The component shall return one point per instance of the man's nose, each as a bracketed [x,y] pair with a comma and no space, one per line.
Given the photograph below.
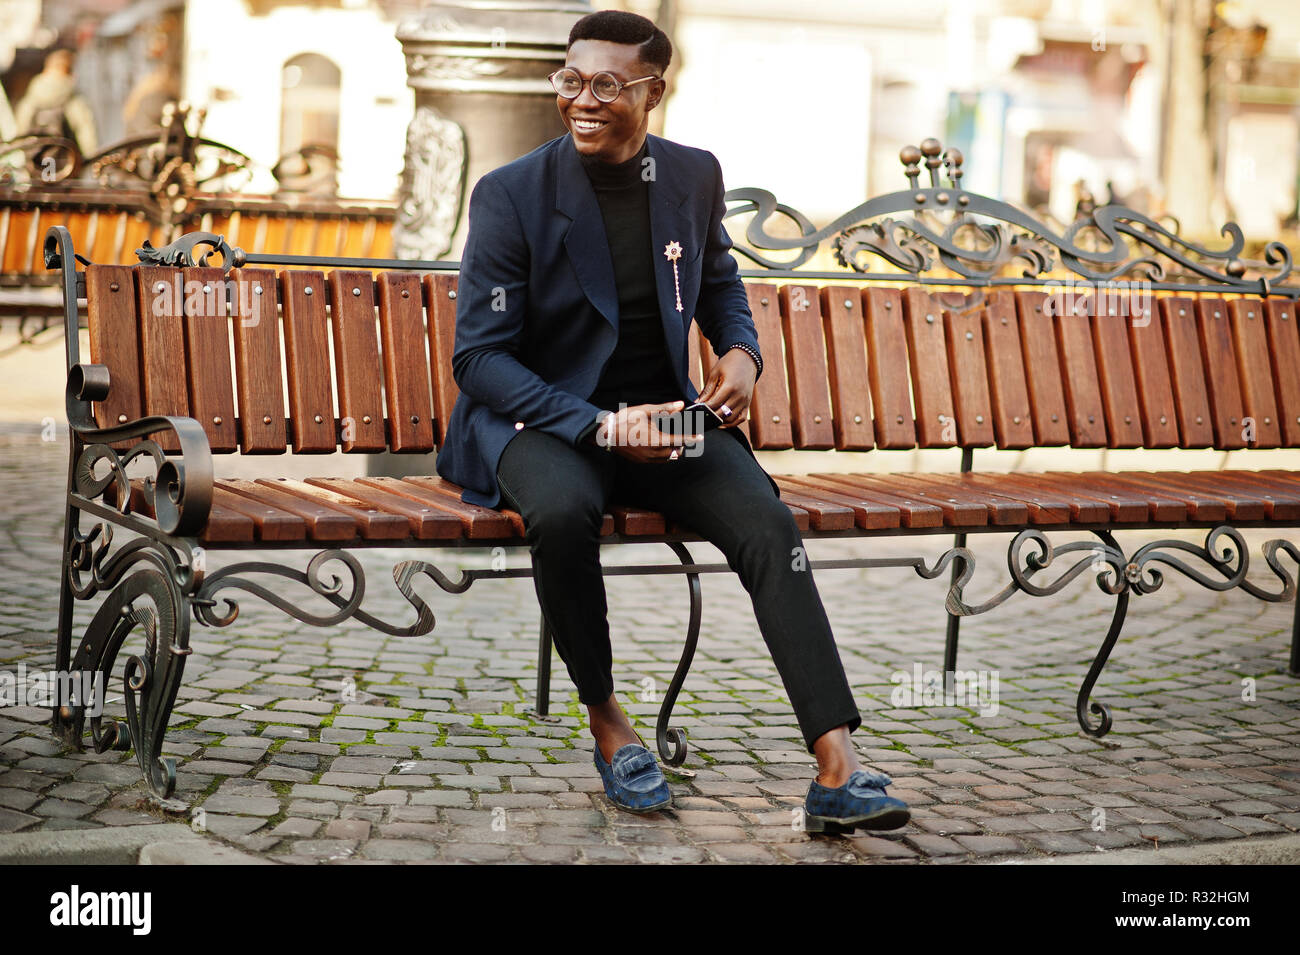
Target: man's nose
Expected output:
[587,99]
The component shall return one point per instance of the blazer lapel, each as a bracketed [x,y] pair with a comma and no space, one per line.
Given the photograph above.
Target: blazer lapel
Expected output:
[668,225]
[585,241]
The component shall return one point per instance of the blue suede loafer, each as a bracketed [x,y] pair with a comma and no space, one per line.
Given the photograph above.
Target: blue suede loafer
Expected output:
[861,803]
[633,779]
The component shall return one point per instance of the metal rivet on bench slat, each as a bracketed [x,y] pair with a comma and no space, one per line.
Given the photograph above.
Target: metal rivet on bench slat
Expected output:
[1092,419]
[406,293]
[160,287]
[1182,311]
[1038,308]
[929,319]
[266,419]
[1268,421]
[1056,417]
[900,419]
[451,293]
[1232,421]
[257,290]
[1128,419]
[121,417]
[206,289]
[1016,420]
[979,419]
[112,286]
[857,419]
[848,303]
[970,336]
[776,419]
[1285,316]
[1199,419]
[1250,314]
[319,419]
[888,304]
[307,290]
[365,419]
[763,300]
[1216,314]
[817,419]
[1164,420]
[415,419]
[356,291]
[216,419]
[1004,321]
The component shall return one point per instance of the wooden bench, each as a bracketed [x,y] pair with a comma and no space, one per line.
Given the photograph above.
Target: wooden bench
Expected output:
[189,360]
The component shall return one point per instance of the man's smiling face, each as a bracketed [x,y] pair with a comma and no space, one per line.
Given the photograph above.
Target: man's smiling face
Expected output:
[611,132]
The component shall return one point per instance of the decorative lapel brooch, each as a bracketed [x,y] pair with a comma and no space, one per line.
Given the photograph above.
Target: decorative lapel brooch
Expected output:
[673,252]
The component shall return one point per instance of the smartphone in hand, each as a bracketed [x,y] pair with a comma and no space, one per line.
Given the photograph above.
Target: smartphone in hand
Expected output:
[694,419]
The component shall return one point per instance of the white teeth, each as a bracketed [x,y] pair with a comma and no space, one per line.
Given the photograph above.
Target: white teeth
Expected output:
[587,124]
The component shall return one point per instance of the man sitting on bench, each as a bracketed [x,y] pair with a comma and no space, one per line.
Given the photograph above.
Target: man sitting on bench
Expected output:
[586,261]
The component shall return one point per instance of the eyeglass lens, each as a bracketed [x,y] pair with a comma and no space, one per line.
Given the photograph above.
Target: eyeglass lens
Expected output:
[603,86]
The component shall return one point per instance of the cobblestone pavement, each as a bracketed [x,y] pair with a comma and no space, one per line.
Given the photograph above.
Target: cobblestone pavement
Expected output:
[438,758]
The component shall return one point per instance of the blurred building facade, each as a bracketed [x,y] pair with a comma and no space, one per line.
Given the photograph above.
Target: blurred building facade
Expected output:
[1189,107]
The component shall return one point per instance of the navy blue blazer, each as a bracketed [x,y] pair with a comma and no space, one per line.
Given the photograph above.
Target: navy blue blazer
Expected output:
[537,307]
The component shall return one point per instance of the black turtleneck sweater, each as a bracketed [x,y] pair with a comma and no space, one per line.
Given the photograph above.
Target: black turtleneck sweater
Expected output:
[639,370]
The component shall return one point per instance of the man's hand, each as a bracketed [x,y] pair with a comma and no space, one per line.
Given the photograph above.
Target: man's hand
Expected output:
[731,383]
[632,433]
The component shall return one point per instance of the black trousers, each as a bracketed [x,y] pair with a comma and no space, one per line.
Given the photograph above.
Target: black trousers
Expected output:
[561,491]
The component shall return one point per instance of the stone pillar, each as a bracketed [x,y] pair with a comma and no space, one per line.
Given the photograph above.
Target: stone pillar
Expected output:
[478,68]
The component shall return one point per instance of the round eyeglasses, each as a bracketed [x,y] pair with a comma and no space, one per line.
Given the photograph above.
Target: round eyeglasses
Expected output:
[605,87]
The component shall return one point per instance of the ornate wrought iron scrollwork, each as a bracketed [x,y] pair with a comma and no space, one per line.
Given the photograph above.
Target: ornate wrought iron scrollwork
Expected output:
[1224,551]
[149,599]
[347,600]
[181,252]
[977,237]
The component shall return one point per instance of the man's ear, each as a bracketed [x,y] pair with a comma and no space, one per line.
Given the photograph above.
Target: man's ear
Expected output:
[656,95]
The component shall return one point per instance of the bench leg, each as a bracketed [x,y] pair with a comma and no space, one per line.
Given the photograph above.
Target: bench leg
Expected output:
[150,600]
[1294,669]
[63,636]
[1083,705]
[954,627]
[671,741]
[544,669]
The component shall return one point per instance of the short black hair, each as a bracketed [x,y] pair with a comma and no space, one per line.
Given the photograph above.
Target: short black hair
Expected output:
[617,26]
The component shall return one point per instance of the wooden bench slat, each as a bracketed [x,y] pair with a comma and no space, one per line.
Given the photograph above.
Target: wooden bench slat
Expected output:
[160,302]
[1042,370]
[1002,509]
[1008,391]
[1052,501]
[1042,508]
[805,357]
[1151,370]
[426,523]
[1221,381]
[972,403]
[306,348]
[271,523]
[407,387]
[1281,502]
[225,526]
[956,513]
[1255,368]
[257,363]
[207,356]
[824,515]
[356,361]
[1127,506]
[1085,414]
[1196,507]
[476,522]
[372,522]
[1119,391]
[867,514]
[1241,504]
[637,522]
[1201,506]
[115,340]
[1178,318]
[912,511]
[887,367]
[850,385]
[323,523]
[1284,356]
[769,409]
[440,294]
[936,423]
